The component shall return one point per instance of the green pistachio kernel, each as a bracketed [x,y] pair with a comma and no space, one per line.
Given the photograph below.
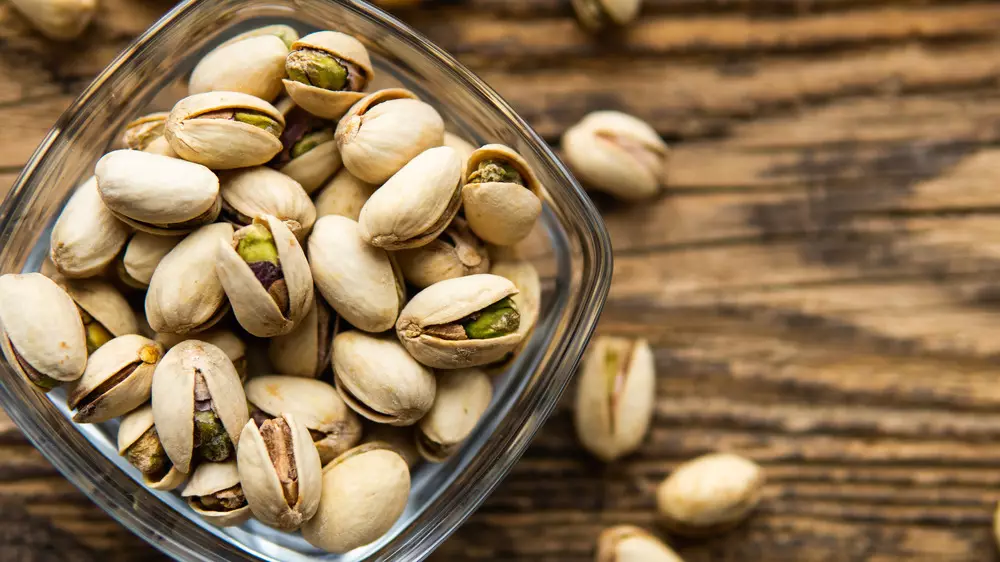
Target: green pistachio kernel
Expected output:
[316,68]
[97,335]
[490,171]
[260,121]
[211,440]
[257,245]
[496,320]
[310,141]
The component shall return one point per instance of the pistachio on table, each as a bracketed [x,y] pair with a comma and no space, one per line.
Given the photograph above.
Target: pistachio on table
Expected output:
[226,340]
[501,196]
[44,337]
[305,351]
[117,380]
[463,322]
[252,192]
[595,15]
[625,543]
[309,152]
[365,491]
[617,153]
[401,439]
[141,132]
[104,311]
[460,401]
[378,379]
[142,254]
[216,494]
[456,252]
[198,404]
[334,427]
[251,64]
[384,131]
[615,396]
[327,71]
[280,471]
[87,236]
[139,443]
[344,195]
[708,495]
[61,20]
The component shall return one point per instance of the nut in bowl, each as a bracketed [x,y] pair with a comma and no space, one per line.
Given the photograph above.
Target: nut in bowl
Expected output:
[178,455]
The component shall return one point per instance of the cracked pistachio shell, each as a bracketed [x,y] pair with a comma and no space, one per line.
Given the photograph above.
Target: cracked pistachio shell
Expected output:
[160,146]
[227,341]
[384,131]
[104,304]
[157,194]
[378,379]
[456,252]
[250,193]
[255,308]
[501,213]
[595,15]
[319,163]
[117,380]
[315,404]
[365,491]
[264,471]
[615,396]
[528,299]
[618,154]
[254,66]
[143,253]
[416,204]
[131,428]
[61,20]
[305,351]
[42,326]
[222,144]
[87,236]
[141,132]
[625,543]
[460,145]
[185,294]
[330,104]
[344,195]
[173,397]
[710,494]
[210,478]
[461,400]
[358,280]
[450,301]
[401,439]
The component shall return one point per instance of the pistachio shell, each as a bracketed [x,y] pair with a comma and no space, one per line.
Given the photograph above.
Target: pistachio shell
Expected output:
[384,131]
[61,20]
[449,301]
[140,132]
[617,153]
[117,380]
[104,303]
[286,33]
[463,147]
[501,212]
[86,236]
[160,146]
[254,66]
[462,397]
[253,192]
[255,308]
[42,325]
[320,162]
[330,104]
[222,143]
[185,294]
[416,204]
[158,194]
[528,299]
[227,341]
[313,168]
[358,280]
[305,351]
[401,439]
[212,477]
[456,252]
[344,195]
[365,491]
[131,428]
[173,397]
[625,543]
[142,254]
[262,484]
[598,14]
[615,396]
[378,379]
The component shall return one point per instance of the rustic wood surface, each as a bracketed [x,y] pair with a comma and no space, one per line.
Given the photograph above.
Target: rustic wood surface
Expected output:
[820,284]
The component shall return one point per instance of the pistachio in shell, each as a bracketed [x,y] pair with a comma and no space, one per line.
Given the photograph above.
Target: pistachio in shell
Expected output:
[226,340]
[327,70]
[139,443]
[157,194]
[501,196]
[61,20]
[596,15]
[104,311]
[254,192]
[456,252]
[286,33]
[142,254]
[401,439]
[140,133]
[305,351]
[365,491]
[160,146]
[460,401]
[87,236]
[463,322]
[384,131]
[344,195]
[117,380]
[625,543]
[309,152]
[215,493]
[43,334]
[254,65]
[528,299]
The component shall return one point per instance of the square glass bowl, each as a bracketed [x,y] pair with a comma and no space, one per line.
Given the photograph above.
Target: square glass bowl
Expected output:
[571,249]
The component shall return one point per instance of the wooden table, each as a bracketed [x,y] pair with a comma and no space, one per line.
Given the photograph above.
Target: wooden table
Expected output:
[820,284]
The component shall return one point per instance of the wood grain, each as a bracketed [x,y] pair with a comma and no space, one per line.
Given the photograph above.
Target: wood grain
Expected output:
[819,285]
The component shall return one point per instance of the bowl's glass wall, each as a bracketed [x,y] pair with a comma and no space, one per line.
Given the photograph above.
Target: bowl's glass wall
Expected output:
[570,247]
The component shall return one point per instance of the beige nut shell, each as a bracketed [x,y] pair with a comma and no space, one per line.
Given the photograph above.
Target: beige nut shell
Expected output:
[131,427]
[87,236]
[302,352]
[126,395]
[212,477]
[344,195]
[104,303]
[625,543]
[254,66]
[143,253]
[61,20]
[456,252]
[221,144]
[262,191]
[501,213]
[462,397]
[330,104]
[313,168]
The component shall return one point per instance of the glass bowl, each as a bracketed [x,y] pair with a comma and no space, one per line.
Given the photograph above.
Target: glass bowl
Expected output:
[571,248]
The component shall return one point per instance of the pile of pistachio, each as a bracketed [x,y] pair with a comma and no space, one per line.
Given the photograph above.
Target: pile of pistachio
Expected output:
[347,228]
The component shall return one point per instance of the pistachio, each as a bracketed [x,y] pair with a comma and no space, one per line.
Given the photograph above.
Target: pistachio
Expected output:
[142,254]
[309,152]
[401,439]
[365,491]
[104,311]
[463,322]
[460,145]
[625,543]
[305,351]
[86,236]
[501,196]
[61,20]
[528,299]
[198,404]
[595,15]
[254,192]
[333,426]
[157,194]
[160,146]
[215,493]
[385,130]
[286,33]
[185,294]
[117,380]
[615,396]
[227,341]
[139,443]
[253,65]
[43,333]
[140,133]
[280,471]
[345,195]
[460,401]
[617,153]
[416,204]
[457,252]
[710,494]
[378,379]
[357,279]
[327,71]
